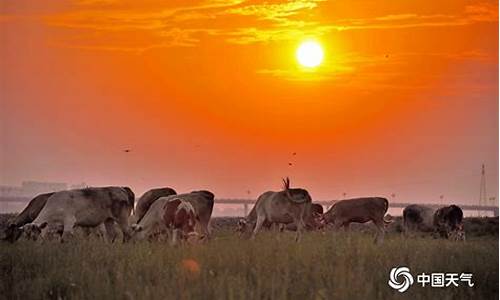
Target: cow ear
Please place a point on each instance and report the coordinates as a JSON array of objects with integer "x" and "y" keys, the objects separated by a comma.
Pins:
[{"x": 43, "y": 225}]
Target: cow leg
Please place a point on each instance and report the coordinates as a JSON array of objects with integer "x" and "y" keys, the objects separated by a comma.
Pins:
[
  {"x": 337, "y": 225},
  {"x": 111, "y": 233},
  {"x": 406, "y": 230},
  {"x": 205, "y": 230},
  {"x": 68, "y": 228},
  {"x": 124, "y": 227},
  {"x": 379, "y": 237},
  {"x": 175, "y": 237},
  {"x": 258, "y": 225},
  {"x": 299, "y": 223},
  {"x": 45, "y": 235},
  {"x": 275, "y": 228}
]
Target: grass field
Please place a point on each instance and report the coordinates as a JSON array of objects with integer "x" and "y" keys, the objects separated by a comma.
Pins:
[{"x": 331, "y": 266}]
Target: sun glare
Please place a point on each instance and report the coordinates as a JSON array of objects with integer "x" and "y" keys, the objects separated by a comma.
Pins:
[{"x": 310, "y": 54}]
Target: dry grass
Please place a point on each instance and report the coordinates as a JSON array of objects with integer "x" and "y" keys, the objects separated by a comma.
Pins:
[{"x": 328, "y": 266}]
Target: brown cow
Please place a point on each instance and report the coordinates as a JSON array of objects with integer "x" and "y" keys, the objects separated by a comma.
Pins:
[
  {"x": 180, "y": 218},
  {"x": 445, "y": 221},
  {"x": 147, "y": 199},
  {"x": 359, "y": 210},
  {"x": 292, "y": 205},
  {"x": 448, "y": 222},
  {"x": 312, "y": 220}
]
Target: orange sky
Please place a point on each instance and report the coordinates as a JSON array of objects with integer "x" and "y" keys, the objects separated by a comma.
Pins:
[{"x": 208, "y": 94}]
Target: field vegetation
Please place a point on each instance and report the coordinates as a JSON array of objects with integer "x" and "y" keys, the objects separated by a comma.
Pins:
[{"x": 322, "y": 266}]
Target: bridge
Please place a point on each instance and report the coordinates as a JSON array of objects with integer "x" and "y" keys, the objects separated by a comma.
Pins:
[{"x": 326, "y": 203}]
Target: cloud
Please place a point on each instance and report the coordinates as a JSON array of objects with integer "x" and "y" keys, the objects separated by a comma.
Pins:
[
  {"x": 484, "y": 12},
  {"x": 236, "y": 21},
  {"x": 278, "y": 12}
]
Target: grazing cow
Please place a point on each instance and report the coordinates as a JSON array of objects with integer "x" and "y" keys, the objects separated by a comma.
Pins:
[
  {"x": 359, "y": 210},
  {"x": 152, "y": 225},
  {"x": 147, "y": 199},
  {"x": 283, "y": 207},
  {"x": 203, "y": 204},
  {"x": 447, "y": 221},
  {"x": 418, "y": 218},
  {"x": 89, "y": 207},
  {"x": 312, "y": 220},
  {"x": 172, "y": 215},
  {"x": 179, "y": 216},
  {"x": 12, "y": 232}
]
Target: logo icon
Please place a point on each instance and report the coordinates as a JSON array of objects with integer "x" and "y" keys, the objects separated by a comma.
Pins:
[{"x": 398, "y": 273}]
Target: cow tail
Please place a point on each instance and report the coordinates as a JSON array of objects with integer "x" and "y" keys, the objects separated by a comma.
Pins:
[{"x": 386, "y": 221}]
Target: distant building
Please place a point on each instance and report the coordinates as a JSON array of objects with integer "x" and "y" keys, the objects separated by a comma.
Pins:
[
  {"x": 30, "y": 189},
  {"x": 81, "y": 185}
]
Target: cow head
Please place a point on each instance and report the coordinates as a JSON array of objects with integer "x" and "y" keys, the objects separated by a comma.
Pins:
[
  {"x": 328, "y": 217},
  {"x": 193, "y": 237},
  {"x": 244, "y": 227},
  {"x": 457, "y": 235},
  {"x": 137, "y": 232},
  {"x": 32, "y": 231},
  {"x": 136, "y": 227},
  {"x": 11, "y": 233},
  {"x": 318, "y": 220},
  {"x": 241, "y": 227},
  {"x": 191, "y": 221}
]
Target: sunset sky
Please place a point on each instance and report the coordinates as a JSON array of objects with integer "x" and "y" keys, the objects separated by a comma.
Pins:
[{"x": 209, "y": 94}]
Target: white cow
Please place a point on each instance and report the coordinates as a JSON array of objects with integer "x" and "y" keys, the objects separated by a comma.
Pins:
[
  {"x": 172, "y": 215},
  {"x": 202, "y": 202},
  {"x": 89, "y": 207}
]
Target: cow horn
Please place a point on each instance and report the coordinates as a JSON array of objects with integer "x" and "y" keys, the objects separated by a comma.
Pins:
[
  {"x": 286, "y": 183},
  {"x": 286, "y": 187}
]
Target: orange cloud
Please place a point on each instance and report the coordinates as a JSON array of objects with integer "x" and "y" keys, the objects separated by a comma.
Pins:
[{"x": 182, "y": 26}]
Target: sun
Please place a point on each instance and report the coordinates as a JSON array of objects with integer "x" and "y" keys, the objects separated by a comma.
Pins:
[{"x": 310, "y": 54}]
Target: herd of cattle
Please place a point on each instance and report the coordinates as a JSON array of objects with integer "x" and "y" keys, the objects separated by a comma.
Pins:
[{"x": 162, "y": 213}]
